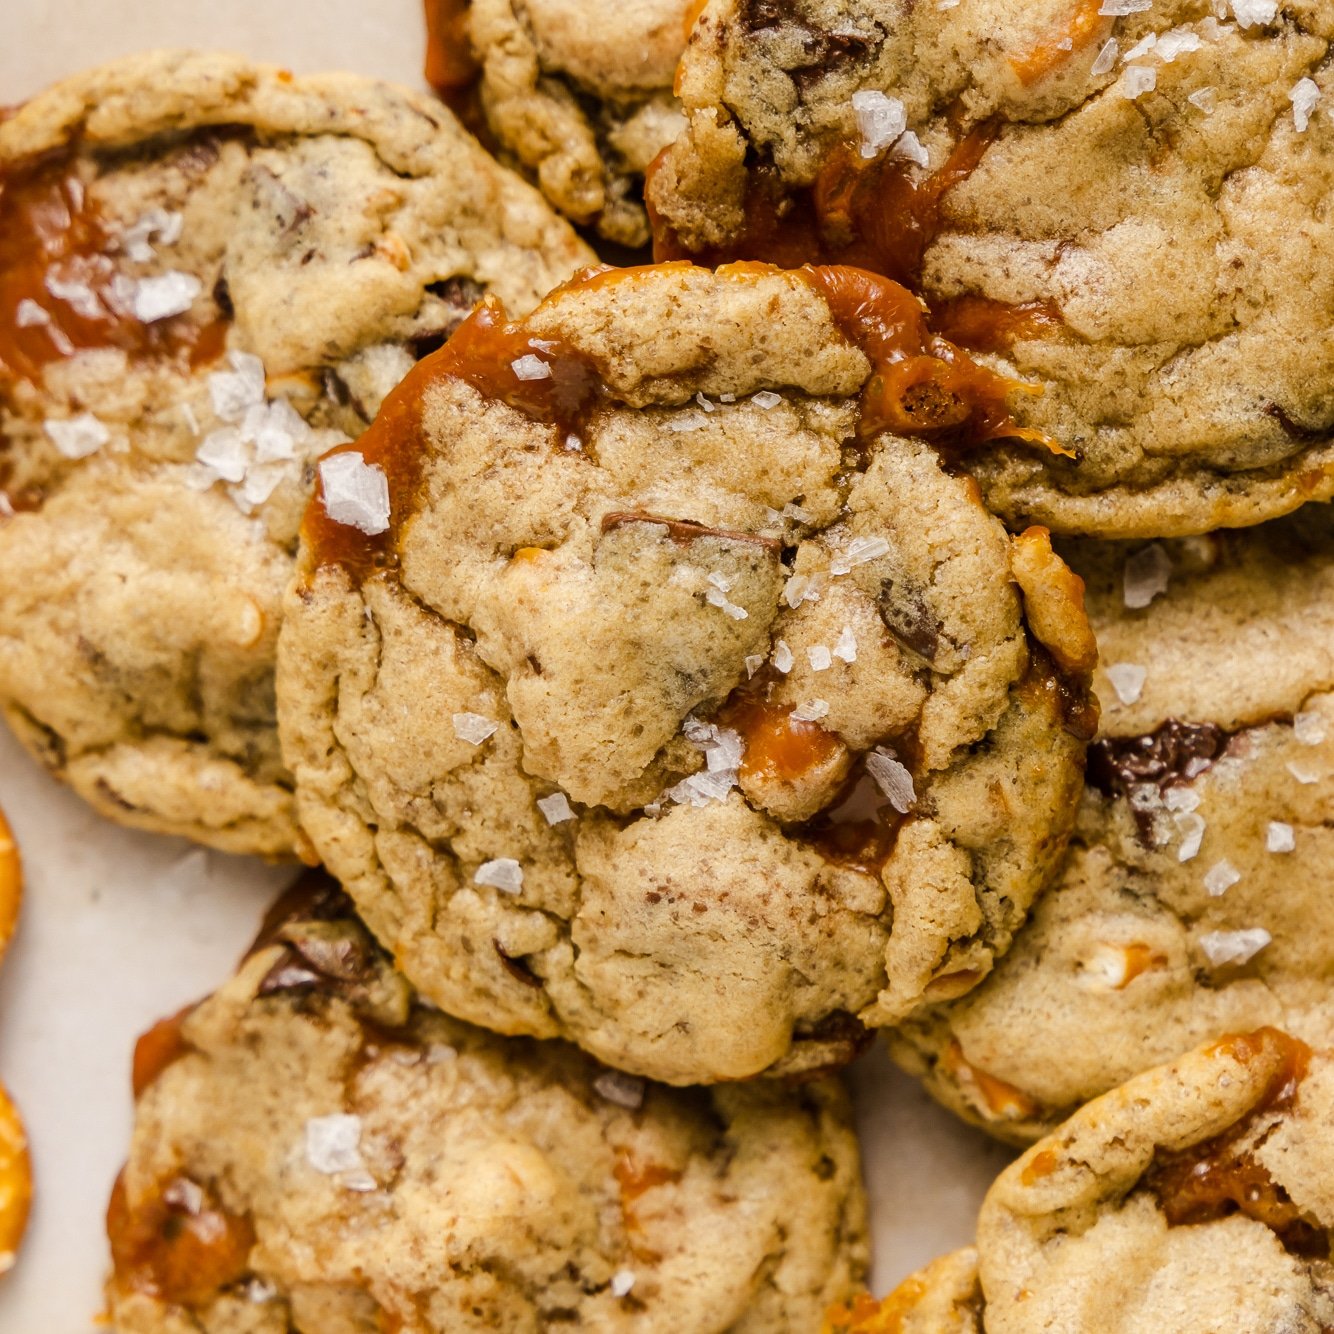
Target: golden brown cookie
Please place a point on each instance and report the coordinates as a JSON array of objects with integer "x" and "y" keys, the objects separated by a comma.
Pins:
[
  {"x": 314, "y": 1149},
  {"x": 576, "y": 94},
  {"x": 1122, "y": 202},
  {"x": 650, "y": 680},
  {"x": 1193, "y": 900},
  {"x": 210, "y": 272}
]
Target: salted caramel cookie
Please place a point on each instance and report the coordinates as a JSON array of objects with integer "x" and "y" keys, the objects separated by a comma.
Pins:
[
  {"x": 575, "y": 93},
  {"x": 650, "y": 681},
  {"x": 1194, "y": 1198},
  {"x": 316, "y": 1150},
  {"x": 1122, "y": 203},
  {"x": 210, "y": 272},
  {"x": 1193, "y": 900}
]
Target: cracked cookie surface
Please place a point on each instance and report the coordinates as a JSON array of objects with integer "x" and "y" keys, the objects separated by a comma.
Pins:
[
  {"x": 671, "y": 713},
  {"x": 316, "y": 1151},
  {"x": 1192, "y": 900},
  {"x": 1127, "y": 211},
  {"x": 210, "y": 272},
  {"x": 577, "y": 94},
  {"x": 1193, "y": 1198}
]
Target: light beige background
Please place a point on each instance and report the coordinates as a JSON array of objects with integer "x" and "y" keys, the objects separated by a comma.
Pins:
[{"x": 120, "y": 929}]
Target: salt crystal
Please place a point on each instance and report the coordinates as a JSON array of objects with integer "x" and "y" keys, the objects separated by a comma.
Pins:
[
  {"x": 1178, "y": 42},
  {"x": 556, "y": 808},
  {"x": 530, "y": 367},
  {"x": 355, "y": 493},
  {"x": 810, "y": 711},
  {"x": 686, "y": 421},
  {"x": 77, "y": 437},
  {"x": 858, "y": 552},
  {"x": 1220, "y": 877},
  {"x": 715, "y": 597},
  {"x": 258, "y": 1290},
  {"x": 474, "y": 728},
  {"x": 1119, "y": 8},
  {"x": 359, "y": 1180},
  {"x": 165, "y": 295},
  {"x": 845, "y": 646},
  {"x": 700, "y": 790},
  {"x": 263, "y": 479},
  {"x": 754, "y": 661},
  {"x": 1251, "y": 12},
  {"x": 1304, "y": 96},
  {"x": 1279, "y": 837},
  {"x": 766, "y": 399},
  {"x": 1192, "y": 834},
  {"x": 1141, "y": 48},
  {"x": 224, "y": 452},
  {"x": 1305, "y": 774},
  {"x": 1146, "y": 575},
  {"x": 622, "y": 1089},
  {"x": 1106, "y": 57},
  {"x": 947, "y": 4},
  {"x": 820, "y": 658},
  {"x": 1127, "y": 680},
  {"x": 1309, "y": 728},
  {"x": 504, "y": 873},
  {"x": 703, "y": 400},
  {"x": 274, "y": 429},
  {"x": 1138, "y": 80},
  {"x": 1224, "y": 947},
  {"x": 621, "y": 1282},
  {"x": 333, "y": 1143},
  {"x": 235, "y": 391},
  {"x": 892, "y": 779},
  {"x": 802, "y": 588},
  {"x": 720, "y": 581},
  {"x": 157, "y": 224},
  {"x": 75, "y": 294},
  {"x": 796, "y": 512},
  {"x": 28, "y": 314},
  {"x": 881, "y": 120},
  {"x": 1204, "y": 99},
  {"x": 911, "y": 149},
  {"x": 722, "y": 746},
  {"x": 726, "y": 398},
  {"x": 783, "y": 658},
  {"x": 1181, "y": 799}
]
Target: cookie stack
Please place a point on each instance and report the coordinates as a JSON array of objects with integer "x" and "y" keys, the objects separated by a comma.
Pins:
[{"x": 907, "y": 605}]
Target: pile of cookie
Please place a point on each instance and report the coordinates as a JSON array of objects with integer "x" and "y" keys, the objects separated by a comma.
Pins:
[{"x": 905, "y": 607}]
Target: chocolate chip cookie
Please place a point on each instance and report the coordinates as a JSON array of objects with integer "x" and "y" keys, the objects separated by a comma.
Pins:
[
  {"x": 1122, "y": 203},
  {"x": 1193, "y": 900},
  {"x": 315, "y": 1149},
  {"x": 653, "y": 678},
  {"x": 210, "y": 272}
]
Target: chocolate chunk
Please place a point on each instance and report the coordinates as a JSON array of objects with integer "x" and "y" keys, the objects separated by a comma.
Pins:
[
  {"x": 1176, "y": 753},
  {"x": 910, "y": 620}
]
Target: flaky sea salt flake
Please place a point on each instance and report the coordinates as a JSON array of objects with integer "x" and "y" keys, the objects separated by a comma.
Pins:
[
  {"x": 1120, "y": 8},
  {"x": 622, "y": 1089},
  {"x": 77, "y": 437},
  {"x": 858, "y": 552},
  {"x": 1106, "y": 57},
  {"x": 1280, "y": 837},
  {"x": 1178, "y": 42},
  {"x": 892, "y": 778},
  {"x": 224, "y": 453},
  {"x": 556, "y": 808},
  {"x": 1138, "y": 80},
  {"x": 355, "y": 492},
  {"x": 28, "y": 314},
  {"x": 1146, "y": 575},
  {"x": 1309, "y": 728},
  {"x": 333, "y": 1143},
  {"x": 234, "y": 392},
  {"x": 530, "y": 367},
  {"x": 820, "y": 658},
  {"x": 1225, "y": 947},
  {"x": 474, "y": 728},
  {"x": 766, "y": 399},
  {"x": 1304, "y": 97},
  {"x": 502, "y": 873},
  {"x": 1192, "y": 834},
  {"x": 754, "y": 661},
  {"x": 621, "y": 1282},
  {"x": 783, "y": 657},
  {"x": 1249, "y": 13},
  {"x": 811, "y": 711},
  {"x": 802, "y": 588},
  {"x": 845, "y": 646},
  {"x": 1220, "y": 877},
  {"x": 1304, "y": 773},
  {"x": 1127, "y": 680},
  {"x": 715, "y": 597},
  {"x": 164, "y": 295},
  {"x": 881, "y": 120},
  {"x": 911, "y": 149}
]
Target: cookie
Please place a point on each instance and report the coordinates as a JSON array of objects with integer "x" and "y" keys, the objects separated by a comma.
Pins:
[
  {"x": 1122, "y": 204},
  {"x": 315, "y": 1149},
  {"x": 1193, "y": 899},
  {"x": 210, "y": 272},
  {"x": 941, "y": 1298},
  {"x": 576, "y": 96},
  {"x": 1194, "y": 1198},
  {"x": 644, "y": 687}
]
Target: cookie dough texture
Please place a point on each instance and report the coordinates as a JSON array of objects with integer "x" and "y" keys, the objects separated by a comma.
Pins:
[
  {"x": 601, "y": 600},
  {"x": 578, "y": 94},
  {"x": 334, "y": 228},
  {"x": 483, "y": 1183},
  {"x": 1078, "y": 1235},
  {"x": 1222, "y": 826},
  {"x": 1178, "y": 237}
]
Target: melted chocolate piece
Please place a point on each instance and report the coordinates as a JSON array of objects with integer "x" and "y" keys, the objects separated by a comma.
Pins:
[
  {"x": 1176, "y": 753},
  {"x": 517, "y": 969},
  {"x": 910, "y": 620}
]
